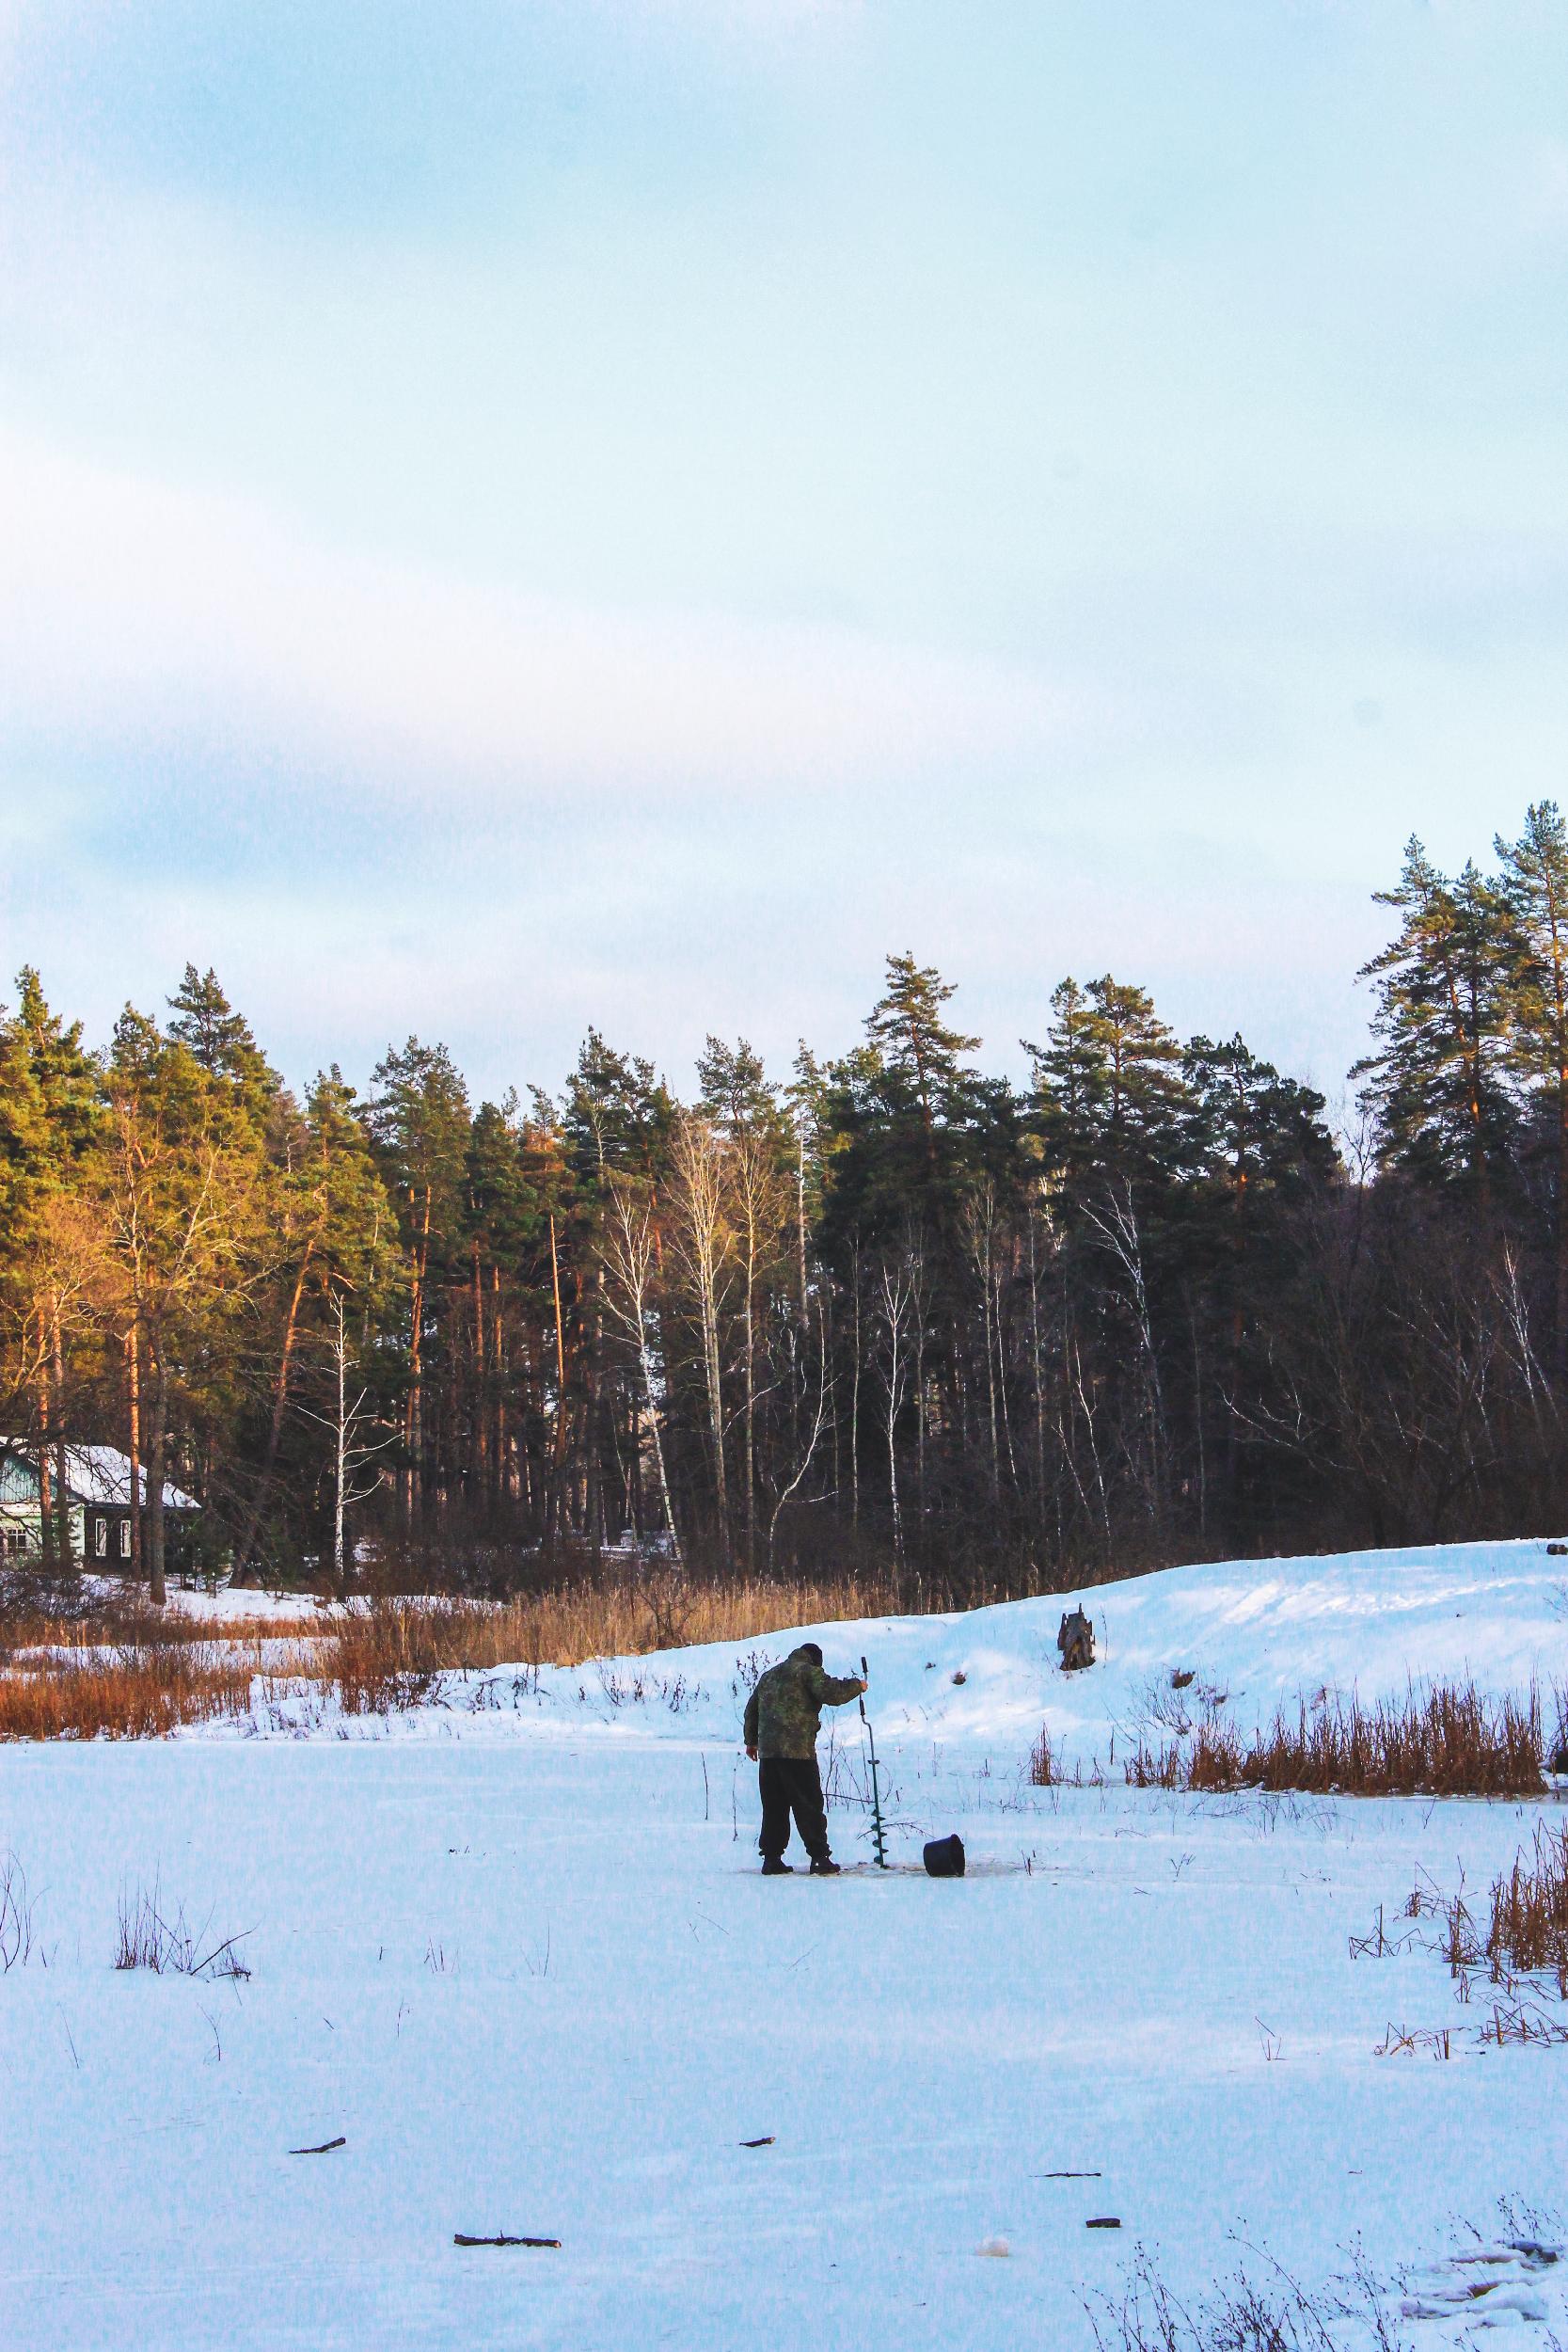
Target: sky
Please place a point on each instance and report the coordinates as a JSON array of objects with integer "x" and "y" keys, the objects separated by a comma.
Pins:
[{"x": 524, "y": 514}]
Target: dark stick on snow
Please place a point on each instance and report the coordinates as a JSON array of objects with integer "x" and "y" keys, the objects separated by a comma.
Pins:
[
  {"x": 1070, "y": 2176},
  {"x": 766, "y": 2141},
  {"x": 459, "y": 2238},
  {"x": 325, "y": 2150},
  {"x": 1104, "y": 2221}
]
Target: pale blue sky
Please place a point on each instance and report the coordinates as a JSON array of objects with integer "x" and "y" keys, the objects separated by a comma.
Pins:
[{"x": 522, "y": 515}]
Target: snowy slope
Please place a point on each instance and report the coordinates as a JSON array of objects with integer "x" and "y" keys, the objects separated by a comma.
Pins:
[
  {"x": 515, "y": 1951},
  {"x": 1263, "y": 1632}
]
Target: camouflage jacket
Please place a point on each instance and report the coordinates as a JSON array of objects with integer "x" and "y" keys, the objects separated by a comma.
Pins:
[{"x": 786, "y": 1707}]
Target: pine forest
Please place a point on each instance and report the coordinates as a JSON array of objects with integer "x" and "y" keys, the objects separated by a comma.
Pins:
[{"x": 880, "y": 1313}]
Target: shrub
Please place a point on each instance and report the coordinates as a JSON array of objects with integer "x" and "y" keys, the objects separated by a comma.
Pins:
[{"x": 386, "y": 1655}]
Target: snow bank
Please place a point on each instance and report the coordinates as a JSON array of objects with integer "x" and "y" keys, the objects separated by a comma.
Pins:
[{"x": 1261, "y": 1631}]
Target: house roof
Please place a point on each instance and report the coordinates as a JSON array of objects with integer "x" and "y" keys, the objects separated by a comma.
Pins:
[{"x": 95, "y": 1474}]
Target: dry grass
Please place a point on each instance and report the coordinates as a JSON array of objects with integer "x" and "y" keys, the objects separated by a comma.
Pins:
[
  {"x": 1448, "y": 1740},
  {"x": 1529, "y": 1911},
  {"x": 1244, "y": 2314},
  {"x": 126, "y": 1671},
  {"x": 399, "y": 1644},
  {"x": 138, "y": 1627},
  {"x": 126, "y": 1697},
  {"x": 160, "y": 1939},
  {"x": 16, "y": 1915}
]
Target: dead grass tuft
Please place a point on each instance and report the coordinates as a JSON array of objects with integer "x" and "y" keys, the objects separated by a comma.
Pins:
[
  {"x": 126, "y": 1671},
  {"x": 386, "y": 1654},
  {"x": 128, "y": 1696},
  {"x": 162, "y": 1941},
  {"x": 1446, "y": 1740},
  {"x": 16, "y": 1915},
  {"x": 1529, "y": 1911},
  {"x": 1243, "y": 2314}
]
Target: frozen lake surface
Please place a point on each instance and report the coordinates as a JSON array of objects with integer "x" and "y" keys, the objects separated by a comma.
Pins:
[{"x": 514, "y": 1950}]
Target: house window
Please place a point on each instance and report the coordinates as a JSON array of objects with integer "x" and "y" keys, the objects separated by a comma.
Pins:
[
  {"x": 125, "y": 1539},
  {"x": 100, "y": 1538}
]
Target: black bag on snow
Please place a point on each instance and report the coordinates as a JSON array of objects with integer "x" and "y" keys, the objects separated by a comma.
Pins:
[{"x": 945, "y": 1858}]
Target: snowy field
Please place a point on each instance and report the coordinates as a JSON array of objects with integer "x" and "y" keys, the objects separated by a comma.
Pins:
[{"x": 512, "y": 1950}]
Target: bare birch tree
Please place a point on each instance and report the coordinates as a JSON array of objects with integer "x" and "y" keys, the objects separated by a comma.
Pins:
[{"x": 703, "y": 1245}]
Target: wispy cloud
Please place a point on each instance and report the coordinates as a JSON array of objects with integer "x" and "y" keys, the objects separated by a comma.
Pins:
[{"x": 145, "y": 615}]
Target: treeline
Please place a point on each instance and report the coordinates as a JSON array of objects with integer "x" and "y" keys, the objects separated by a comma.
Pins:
[{"x": 885, "y": 1312}]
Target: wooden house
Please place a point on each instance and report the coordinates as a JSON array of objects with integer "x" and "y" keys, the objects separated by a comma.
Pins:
[{"x": 98, "y": 1488}]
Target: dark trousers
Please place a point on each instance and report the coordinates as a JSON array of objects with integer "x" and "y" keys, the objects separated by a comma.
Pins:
[{"x": 792, "y": 1784}]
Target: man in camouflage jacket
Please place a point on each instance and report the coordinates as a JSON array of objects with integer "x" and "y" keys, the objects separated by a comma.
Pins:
[{"x": 782, "y": 1718}]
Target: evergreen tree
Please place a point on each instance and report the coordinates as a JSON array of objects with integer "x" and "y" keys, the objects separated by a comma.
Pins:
[
  {"x": 615, "y": 1113},
  {"x": 1439, "y": 1089},
  {"x": 51, "y": 1124},
  {"x": 419, "y": 1121},
  {"x": 734, "y": 1089},
  {"x": 1534, "y": 890},
  {"x": 506, "y": 1214},
  {"x": 221, "y": 1041},
  {"x": 920, "y": 1054},
  {"x": 1109, "y": 1090},
  {"x": 1249, "y": 1127},
  {"x": 184, "y": 1233},
  {"x": 333, "y": 1236}
]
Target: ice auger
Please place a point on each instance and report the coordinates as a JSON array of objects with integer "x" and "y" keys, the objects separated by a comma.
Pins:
[{"x": 878, "y": 1842}]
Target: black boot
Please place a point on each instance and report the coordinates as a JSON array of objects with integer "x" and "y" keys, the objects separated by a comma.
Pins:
[
  {"x": 823, "y": 1866},
  {"x": 775, "y": 1866}
]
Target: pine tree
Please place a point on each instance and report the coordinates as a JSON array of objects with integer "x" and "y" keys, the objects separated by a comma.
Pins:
[
  {"x": 615, "y": 1112},
  {"x": 185, "y": 1239},
  {"x": 418, "y": 1121},
  {"x": 51, "y": 1124},
  {"x": 506, "y": 1214},
  {"x": 333, "y": 1233},
  {"x": 1439, "y": 1086},
  {"x": 1069, "y": 1073},
  {"x": 1109, "y": 1090},
  {"x": 1249, "y": 1127},
  {"x": 221, "y": 1041},
  {"x": 918, "y": 1050},
  {"x": 1534, "y": 890}
]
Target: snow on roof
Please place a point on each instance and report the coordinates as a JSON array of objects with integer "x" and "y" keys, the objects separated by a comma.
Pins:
[{"x": 102, "y": 1475}]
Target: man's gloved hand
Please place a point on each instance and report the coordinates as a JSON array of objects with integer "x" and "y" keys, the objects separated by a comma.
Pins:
[
  {"x": 753, "y": 1753},
  {"x": 864, "y": 1686}
]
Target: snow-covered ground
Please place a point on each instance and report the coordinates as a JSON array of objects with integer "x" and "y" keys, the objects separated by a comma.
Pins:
[{"x": 512, "y": 1950}]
